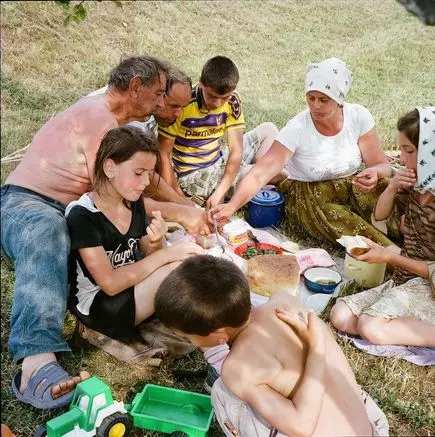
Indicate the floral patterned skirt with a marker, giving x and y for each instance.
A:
(329, 209)
(412, 299)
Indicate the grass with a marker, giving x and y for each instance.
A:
(46, 67)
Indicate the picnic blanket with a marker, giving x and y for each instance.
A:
(306, 258)
(421, 356)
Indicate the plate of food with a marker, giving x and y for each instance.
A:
(250, 250)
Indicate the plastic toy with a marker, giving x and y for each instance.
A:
(167, 410)
(93, 412)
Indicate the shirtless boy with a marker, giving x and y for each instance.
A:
(284, 374)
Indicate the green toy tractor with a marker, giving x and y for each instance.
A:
(93, 412)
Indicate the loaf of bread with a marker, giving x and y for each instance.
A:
(269, 274)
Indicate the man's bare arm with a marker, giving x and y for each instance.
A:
(193, 219)
(160, 190)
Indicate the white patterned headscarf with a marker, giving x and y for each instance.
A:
(330, 77)
(426, 151)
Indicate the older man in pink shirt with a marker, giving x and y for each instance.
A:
(56, 170)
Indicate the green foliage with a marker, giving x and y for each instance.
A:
(78, 12)
(64, 3)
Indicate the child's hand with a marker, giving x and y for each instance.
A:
(157, 229)
(180, 252)
(214, 200)
(310, 329)
(376, 254)
(403, 179)
(222, 213)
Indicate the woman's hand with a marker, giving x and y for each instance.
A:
(180, 252)
(366, 180)
(376, 254)
(403, 179)
(157, 228)
(309, 329)
(222, 213)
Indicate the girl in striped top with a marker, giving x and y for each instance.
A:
(402, 311)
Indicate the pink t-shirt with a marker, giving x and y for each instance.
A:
(59, 161)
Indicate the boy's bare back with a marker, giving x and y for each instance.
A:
(267, 362)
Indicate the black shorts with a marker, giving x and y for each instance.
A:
(113, 316)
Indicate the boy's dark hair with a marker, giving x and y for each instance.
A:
(221, 74)
(203, 294)
(146, 68)
(120, 144)
(409, 125)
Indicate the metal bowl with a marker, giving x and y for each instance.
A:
(321, 279)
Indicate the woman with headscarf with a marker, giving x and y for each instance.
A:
(323, 149)
(402, 311)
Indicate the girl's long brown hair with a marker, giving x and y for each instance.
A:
(119, 145)
(409, 125)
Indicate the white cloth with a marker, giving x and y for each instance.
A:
(148, 125)
(426, 151)
(330, 77)
(318, 157)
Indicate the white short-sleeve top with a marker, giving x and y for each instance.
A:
(318, 157)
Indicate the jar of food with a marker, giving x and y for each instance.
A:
(236, 232)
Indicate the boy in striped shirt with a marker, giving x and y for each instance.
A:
(194, 161)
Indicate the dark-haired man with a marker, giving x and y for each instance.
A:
(194, 163)
(177, 95)
(56, 170)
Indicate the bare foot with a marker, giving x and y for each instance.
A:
(33, 363)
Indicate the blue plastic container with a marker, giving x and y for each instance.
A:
(265, 209)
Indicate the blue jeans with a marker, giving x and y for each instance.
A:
(34, 236)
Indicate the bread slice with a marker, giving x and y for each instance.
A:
(269, 274)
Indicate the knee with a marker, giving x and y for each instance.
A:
(341, 316)
(371, 328)
(267, 129)
(55, 229)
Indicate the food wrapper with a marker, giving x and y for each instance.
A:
(206, 241)
(177, 234)
(354, 245)
(314, 257)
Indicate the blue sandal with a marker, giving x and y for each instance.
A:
(38, 391)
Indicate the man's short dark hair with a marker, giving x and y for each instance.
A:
(203, 294)
(175, 75)
(221, 74)
(145, 67)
